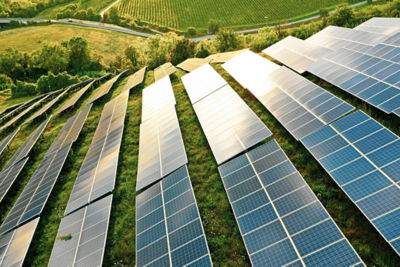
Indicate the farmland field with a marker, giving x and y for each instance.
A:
(181, 14)
(97, 5)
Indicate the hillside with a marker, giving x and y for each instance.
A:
(108, 44)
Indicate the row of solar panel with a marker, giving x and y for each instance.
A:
(161, 148)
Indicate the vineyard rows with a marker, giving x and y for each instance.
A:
(181, 14)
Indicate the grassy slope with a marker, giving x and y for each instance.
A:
(6, 100)
(108, 44)
(181, 14)
(221, 230)
(97, 5)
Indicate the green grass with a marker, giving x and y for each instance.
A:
(97, 5)
(6, 100)
(224, 240)
(108, 44)
(182, 14)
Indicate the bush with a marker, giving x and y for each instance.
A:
(214, 26)
(23, 89)
(191, 31)
(51, 82)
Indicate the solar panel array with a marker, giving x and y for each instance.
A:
(161, 148)
(157, 96)
(24, 113)
(75, 98)
(4, 143)
(97, 174)
(21, 107)
(169, 231)
(363, 158)
(135, 79)
(82, 235)
(228, 123)
(32, 200)
(380, 25)
(280, 219)
(164, 70)
(106, 87)
(6, 110)
(300, 106)
(191, 64)
(15, 245)
(8, 176)
(223, 57)
(296, 53)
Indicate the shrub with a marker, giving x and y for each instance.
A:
(23, 89)
(51, 82)
(191, 31)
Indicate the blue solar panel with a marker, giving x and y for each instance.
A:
(364, 159)
(279, 217)
(168, 226)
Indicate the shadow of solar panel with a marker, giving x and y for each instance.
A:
(8, 176)
(135, 79)
(229, 124)
(15, 245)
(363, 158)
(157, 96)
(97, 174)
(70, 131)
(106, 87)
(87, 229)
(161, 148)
(280, 219)
(26, 147)
(169, 229)
(4, 143)
(202, 82)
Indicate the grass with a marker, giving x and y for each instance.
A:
(6, 100)
(108, 44)
(97, 5)
(224, 240)
(181, 14)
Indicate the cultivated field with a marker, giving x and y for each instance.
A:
(97, 5)
(181, 14)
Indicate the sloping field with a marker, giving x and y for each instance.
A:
(181, 14)
(97, 5)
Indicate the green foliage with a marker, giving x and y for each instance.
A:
(23, 89)
(65, 237)
(227, 40)
(213, 26)
(79, 54)
(132, 54)
(183, 49)
(324, 12)
(191, 31)
(343, 16)
(52, 82)
(5, 82)
(53, 58)
(14, 63)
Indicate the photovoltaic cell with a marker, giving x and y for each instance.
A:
(156, 96)
(169, 231)
(223, 57)
(135, 79)
(97, 174)
(164, 70)
(296, 53)
(301, 106)
(32, 200)
(191, 64)
(8, 176)
(380, 25)
(22, 106)
(229, 124)
(161, 148)
(202, 82)
(15, 245)
(106, 87)
(6, 110)
(280, 219)
(87, 228)
(364, 160)
(4, 143)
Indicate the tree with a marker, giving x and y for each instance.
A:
(79, 55)
(132, 54)
(323, 12)
(227, 40)
(182, 50)
(51, 82)
(113, 16)
(343, 16)
(53, 57)
(23, 89)
(191, 31)
(214, 26)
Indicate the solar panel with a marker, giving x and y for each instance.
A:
(202, 82)
(161, 148)
(106, 87)
(70, 131)
(363, 158)
(15, 245)
(296, 53)
(97, 174)
(169, 231)
(26, 147)
(75, 98)
(164, 70)
(82, 235)
(4, 143)
(135, 79)
(299, 105)
(380, 25)
(8, 176)
(191, 64)
(280, 219)
(24, 113)
(156, 96)
(21, 107)
(32, 200)
(229, 124)
(223, 57)
(6, 110)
